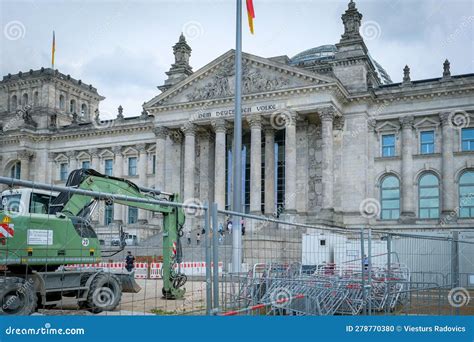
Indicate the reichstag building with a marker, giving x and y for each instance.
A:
(328, 138)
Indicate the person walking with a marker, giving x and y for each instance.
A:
(129, 262)
(198, 238)
(188, 237)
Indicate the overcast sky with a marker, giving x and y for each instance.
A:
(124, 47)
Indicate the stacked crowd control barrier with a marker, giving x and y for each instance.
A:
(283, 289)
(154, 270)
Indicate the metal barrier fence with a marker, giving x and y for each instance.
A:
(298, 269)
(286, 267)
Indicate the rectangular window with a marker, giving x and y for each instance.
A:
(132, 215)
(154, 164)
(109, 167)
(63, 171)
(427, 142)
(388, 145)
(109, 214)
(467, 139)
(132, 166)
(86, 164)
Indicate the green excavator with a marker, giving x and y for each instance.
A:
(42, 231)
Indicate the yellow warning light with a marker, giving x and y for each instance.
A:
(6, 219)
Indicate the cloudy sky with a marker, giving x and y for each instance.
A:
(124, 47)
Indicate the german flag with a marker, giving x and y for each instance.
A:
(53, 50)
(250, 14)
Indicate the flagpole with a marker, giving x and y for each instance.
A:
(237, 160)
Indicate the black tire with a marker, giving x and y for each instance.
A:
(17, 296)
(104, 294)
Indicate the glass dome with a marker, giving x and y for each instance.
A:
(325, 53)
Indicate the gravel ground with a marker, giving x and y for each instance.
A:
(146, 302)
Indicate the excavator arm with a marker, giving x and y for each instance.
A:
(173, 217)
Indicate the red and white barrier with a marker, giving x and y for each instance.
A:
(154, 270)
(141, 270)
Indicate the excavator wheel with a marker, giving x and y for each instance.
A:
(17, 296)
(104, 294)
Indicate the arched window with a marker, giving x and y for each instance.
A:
(15, 171)
(428, 196)
(466, 195)
(24, 100)
(14, 103)
(72, 106)
(36, 98)
(84, 109)
(390, 198)
(62, 102)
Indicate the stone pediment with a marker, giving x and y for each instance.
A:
(217, 80)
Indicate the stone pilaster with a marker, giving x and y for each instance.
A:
(142, 172)
(270, 206)
(255, 164)
(447, 168)
(408, 208)
(290, 164)
(189, 131)
(219, 162)
(371, 154)
(204, 170)
(72, 156)
(118, 172)
(327, 119)
(24, 157)
(160, 158)
(95, 161)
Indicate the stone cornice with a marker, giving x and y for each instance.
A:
(249, 97)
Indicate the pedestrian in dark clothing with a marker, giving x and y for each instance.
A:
(198, 238)
(129, 262)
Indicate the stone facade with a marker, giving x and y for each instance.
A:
(315, 128)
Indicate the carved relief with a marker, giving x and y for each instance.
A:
(222, 83)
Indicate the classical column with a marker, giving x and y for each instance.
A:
(72, 160)
(269, 170)
(160, 158)
(118, 170)
(189, 131)
(408, 209)
(24, 157)
(255, 123)
(219, 162)
(95, 164)
(204, 171)
(447, 166)
(327, 119)
(142, 172)
(290, 164)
